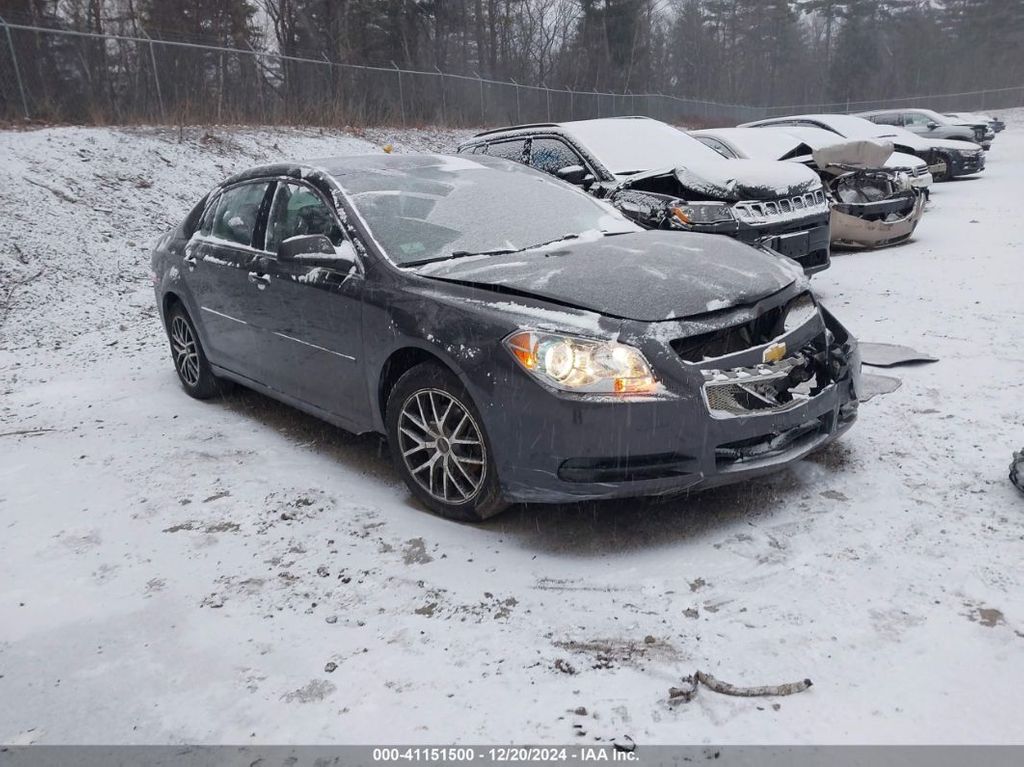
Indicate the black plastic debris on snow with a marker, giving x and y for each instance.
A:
(872, 386)
(890, 355)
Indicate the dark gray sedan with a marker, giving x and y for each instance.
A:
(514, 338)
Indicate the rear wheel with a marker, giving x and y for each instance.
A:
(190, 363)
(439, 446)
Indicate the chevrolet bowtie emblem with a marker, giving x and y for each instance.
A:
(775, 352)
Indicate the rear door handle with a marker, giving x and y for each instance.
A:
(261, 279)
(190, 260)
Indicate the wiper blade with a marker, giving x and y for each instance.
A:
(459, 254)
(495, 252)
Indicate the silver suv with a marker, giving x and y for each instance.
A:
(925, 122)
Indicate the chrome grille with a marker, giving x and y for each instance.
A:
(757, 211)
(764, 388)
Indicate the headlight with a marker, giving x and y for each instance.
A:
(577, 364)
(703, 212)
(799, 312)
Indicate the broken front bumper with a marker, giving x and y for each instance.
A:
(876, 224)
(555, 448)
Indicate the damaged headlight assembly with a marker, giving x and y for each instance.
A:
(695, 213)
(582, 365)
(801, 311)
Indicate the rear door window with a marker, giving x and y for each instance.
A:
(718, 146)
(509, 150)
(206, 224)
(238, 211)
(551, 155)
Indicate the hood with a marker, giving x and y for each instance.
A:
(947, 143)
(737, 180)
(646, 276)
(864, 153)
(903, 160)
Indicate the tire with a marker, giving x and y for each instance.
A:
(948, 175)
(188, 357)
(1017, 470)
(447, 463)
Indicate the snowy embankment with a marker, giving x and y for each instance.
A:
(233, 571)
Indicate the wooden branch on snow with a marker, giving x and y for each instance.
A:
(688, 691)
(751, 692)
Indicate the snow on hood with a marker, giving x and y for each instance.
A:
(647, 276)
(903, 160)
(863, 153)
(735, 180)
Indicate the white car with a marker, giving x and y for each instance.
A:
(873, 202)
(762, 144)
(926, 122)
(946, 158)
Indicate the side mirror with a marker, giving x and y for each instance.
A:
(316, 250)
(933, 125)
(574, 174)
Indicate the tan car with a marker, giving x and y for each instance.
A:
(874, 201)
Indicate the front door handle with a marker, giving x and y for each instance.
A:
(190, 260)
(261, 279)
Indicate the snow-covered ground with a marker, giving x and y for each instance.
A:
(234, 571)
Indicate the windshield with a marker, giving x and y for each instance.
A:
(936, 117)
(854, 127)
(763, 144)
(627, 146)
(428, 208)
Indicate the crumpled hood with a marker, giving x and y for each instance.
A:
(861, 153)
(737, 180)
(647, 276)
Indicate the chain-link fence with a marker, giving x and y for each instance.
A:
(65, 75)
(72, 76)
(967, 101)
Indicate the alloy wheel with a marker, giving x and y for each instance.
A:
(442, 446)
(186, 352)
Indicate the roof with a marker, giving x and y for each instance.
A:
(565, 125)
(339, 167)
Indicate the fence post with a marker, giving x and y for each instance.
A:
(401, 96)
(483, 119)
(572, 103)
(518, 120)
(547, 99)
(444, 104)
(259, 78)
(156, 77)
(17, 70)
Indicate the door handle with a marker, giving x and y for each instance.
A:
(190, 260)
(261, 279)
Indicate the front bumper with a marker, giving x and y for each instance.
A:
(965, 165)
(923, 181)
(876, 224)
(554, 448)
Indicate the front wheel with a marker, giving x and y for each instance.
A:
(439, 446)
(190, 363)
(947, 174)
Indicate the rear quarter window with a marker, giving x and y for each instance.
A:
(237, 212)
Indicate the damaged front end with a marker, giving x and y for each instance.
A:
(870, 210)
(792, 222)
(787, 380)
(872, 206)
